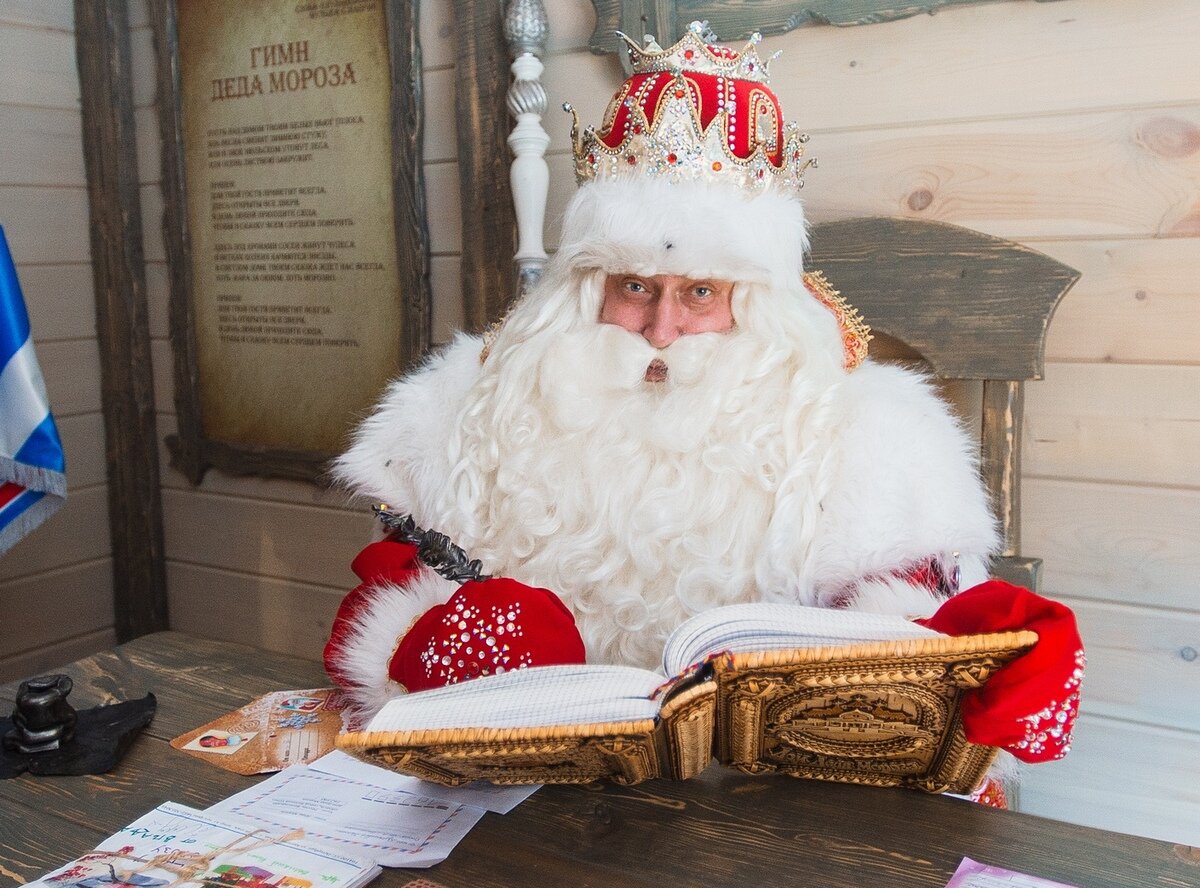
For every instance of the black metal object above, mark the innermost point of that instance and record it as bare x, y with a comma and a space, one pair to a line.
45, 735
434, 549
43, 719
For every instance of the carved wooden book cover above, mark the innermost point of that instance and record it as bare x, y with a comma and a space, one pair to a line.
830, 695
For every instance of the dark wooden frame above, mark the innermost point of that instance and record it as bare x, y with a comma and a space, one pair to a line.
191, 452
489, 220
122, 324
666, 19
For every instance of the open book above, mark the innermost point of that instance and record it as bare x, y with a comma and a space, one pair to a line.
812, 692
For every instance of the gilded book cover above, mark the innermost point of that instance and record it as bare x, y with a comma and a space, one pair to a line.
883, 713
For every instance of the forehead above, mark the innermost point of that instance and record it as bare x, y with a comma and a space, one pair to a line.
669, 280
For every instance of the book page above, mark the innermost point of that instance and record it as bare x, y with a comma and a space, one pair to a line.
741, 628
545, 695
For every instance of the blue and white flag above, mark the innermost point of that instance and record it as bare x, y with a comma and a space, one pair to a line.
32, 483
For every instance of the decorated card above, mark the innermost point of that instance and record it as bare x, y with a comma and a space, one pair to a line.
174, 845
268, 734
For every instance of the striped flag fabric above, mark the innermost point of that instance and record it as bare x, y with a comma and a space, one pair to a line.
32, 480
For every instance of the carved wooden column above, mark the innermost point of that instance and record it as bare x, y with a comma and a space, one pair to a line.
525, 28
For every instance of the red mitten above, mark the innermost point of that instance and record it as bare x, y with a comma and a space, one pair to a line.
1029, 706
486, 627
386, 561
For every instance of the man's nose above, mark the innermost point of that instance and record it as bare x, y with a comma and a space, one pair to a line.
665, 322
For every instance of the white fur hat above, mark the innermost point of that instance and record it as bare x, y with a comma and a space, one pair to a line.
698, 228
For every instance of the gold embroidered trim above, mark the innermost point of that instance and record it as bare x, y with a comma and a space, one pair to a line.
856, 334
489, 338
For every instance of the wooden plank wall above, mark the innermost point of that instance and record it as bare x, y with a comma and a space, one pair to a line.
56, 584
1071, 126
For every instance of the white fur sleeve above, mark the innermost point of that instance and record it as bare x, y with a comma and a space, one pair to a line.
399, 453
907, 488
375, 632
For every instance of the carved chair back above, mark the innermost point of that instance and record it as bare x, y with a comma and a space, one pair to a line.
974, 307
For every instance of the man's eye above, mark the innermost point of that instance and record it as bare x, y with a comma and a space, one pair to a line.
634, 287
703, 292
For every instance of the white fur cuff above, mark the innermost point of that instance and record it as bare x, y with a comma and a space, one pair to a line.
376, 631
891, 595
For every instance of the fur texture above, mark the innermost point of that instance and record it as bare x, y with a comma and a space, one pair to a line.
759, 470
378, 629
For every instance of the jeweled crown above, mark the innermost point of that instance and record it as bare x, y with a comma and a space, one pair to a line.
695, 111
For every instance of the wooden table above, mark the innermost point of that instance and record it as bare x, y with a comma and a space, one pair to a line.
722, 828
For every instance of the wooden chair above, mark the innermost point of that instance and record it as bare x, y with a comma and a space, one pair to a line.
971, 306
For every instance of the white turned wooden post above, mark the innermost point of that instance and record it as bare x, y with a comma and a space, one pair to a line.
525, 29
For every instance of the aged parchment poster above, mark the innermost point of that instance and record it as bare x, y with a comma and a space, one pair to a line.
288, 182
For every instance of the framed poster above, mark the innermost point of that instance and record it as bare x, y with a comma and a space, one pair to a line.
295, 223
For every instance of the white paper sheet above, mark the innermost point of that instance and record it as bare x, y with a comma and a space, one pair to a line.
480, 794
389, 826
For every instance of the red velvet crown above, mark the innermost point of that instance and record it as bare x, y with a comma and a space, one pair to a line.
694, 111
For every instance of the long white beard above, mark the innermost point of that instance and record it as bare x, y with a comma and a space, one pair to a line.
639, 503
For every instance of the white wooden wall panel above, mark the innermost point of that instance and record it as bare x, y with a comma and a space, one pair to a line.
71, 369
139, 14
46, 225
571, 25
164, 375
445, 277
1138, 300
260, 611
75, 534
37, 13
47, 657
287, 541
149, 149
158, 299
585, 80
1115, 542
154, 246
58, 298
440, 112
83, 443
1138, 423
1078, 175
445, 209
437, 34
991, 60
143, 66
1122, 776
40, 146
1143, 663
37, 67
56, 604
